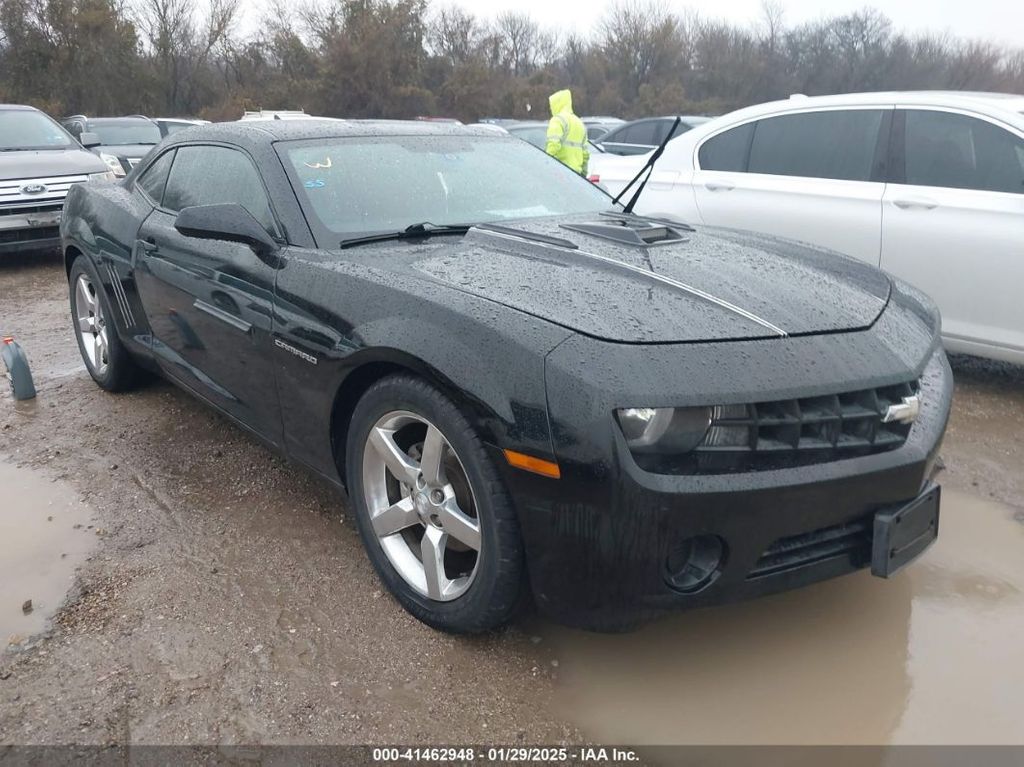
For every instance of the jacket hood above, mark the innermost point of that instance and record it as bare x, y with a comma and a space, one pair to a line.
716, 285
560, 101
49, 163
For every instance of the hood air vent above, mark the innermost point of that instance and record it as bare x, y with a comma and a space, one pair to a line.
633, 231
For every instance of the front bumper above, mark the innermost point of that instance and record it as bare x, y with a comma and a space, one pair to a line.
601, 539
29, 231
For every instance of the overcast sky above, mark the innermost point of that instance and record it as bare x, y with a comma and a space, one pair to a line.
1000, 21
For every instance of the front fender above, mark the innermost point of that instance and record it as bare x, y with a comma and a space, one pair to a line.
489, 359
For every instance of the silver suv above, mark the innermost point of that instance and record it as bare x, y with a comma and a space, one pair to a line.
39, 161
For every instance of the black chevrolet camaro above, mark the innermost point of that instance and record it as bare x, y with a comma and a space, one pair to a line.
524, 389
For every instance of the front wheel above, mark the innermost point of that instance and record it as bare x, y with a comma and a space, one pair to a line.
432, 511
108, 361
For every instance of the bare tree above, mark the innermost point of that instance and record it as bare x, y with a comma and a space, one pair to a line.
454, 34
642, 40
518, 37
773, 25
395, 58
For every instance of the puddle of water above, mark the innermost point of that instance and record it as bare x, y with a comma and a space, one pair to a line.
933, 655
40, 548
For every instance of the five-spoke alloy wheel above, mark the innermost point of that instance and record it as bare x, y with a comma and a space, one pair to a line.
431, 508
92, 325
105, 356
421, 505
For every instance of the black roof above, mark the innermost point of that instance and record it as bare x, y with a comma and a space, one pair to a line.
260, 131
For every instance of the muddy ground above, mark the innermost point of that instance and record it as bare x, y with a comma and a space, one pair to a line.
188, 586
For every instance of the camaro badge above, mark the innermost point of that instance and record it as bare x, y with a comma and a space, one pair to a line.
905, 412
297, 352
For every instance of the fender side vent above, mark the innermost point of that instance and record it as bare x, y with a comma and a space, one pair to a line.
121, 296
631, 232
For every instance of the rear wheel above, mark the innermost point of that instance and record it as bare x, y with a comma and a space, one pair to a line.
433, 513
105, 357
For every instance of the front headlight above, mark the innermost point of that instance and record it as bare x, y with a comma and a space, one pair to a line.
113, 163
664, 430
107, 175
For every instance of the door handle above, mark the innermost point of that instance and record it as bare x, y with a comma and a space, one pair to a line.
910, 203
149, 244
719, 186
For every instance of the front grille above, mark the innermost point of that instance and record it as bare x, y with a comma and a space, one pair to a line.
56, 189
852, 539
28, 235
27, 209
797, 432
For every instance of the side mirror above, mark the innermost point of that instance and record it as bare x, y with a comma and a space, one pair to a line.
228, 221
89, 140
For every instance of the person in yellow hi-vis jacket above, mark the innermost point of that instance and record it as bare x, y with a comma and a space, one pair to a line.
567, 135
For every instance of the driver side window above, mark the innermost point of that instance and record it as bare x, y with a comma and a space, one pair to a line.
235, 181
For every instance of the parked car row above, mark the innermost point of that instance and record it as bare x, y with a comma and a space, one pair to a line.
39, 162
40, 159
925, 185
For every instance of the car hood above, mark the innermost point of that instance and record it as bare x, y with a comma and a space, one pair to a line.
48, 163
716, 285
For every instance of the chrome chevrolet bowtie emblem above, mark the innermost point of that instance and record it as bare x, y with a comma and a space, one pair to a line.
33, 189
905, 412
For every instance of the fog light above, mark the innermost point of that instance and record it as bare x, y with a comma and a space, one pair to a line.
694, 564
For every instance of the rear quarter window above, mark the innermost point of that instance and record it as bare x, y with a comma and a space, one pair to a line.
727, 151
154, 178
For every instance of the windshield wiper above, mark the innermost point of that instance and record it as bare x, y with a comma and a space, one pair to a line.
411, 232
648, 169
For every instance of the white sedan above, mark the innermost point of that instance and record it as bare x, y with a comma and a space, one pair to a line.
927, 185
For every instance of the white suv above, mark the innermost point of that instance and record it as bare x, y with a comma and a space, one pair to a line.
927, 185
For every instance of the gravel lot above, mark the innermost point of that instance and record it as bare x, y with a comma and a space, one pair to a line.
215, 594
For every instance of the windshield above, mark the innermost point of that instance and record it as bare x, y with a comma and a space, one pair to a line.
354, 186
125, 132
27, 129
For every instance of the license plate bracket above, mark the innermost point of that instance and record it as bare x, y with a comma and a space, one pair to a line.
902, 534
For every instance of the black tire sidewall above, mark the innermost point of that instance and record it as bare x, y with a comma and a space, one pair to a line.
499, 583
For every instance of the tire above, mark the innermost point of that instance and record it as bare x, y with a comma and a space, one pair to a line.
108, 361
476, 590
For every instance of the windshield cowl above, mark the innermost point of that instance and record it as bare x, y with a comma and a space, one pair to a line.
411, 232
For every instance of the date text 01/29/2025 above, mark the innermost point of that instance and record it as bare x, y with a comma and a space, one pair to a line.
502, 754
